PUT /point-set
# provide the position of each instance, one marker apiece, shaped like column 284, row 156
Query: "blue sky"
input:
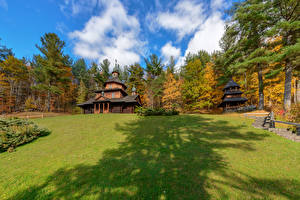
column 126, row 30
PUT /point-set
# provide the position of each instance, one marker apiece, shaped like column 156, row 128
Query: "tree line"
column 259, row 50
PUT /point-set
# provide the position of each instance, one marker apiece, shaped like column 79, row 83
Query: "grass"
column 126, row 157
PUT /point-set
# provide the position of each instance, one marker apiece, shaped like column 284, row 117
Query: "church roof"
column 115, row 80
column 230, row 84
column 88, row 102
column 111, row 89
column 126, row 99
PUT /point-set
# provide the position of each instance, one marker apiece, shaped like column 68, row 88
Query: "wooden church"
column 112, row 99
column 232, row 98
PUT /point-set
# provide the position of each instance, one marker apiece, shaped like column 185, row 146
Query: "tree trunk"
column 297, row 91
column 260, row 88
column 288, row 86
column 48, row 101
column 10, row 96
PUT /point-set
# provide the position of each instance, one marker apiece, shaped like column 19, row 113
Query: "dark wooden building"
column 112, row 99
column 232, row 98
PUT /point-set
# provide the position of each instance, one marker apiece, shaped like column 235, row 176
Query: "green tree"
column 95, row 79
column 52, row 67
column 155, row 80
column 5, row 52
column 286, row 15
column 136, row 80
column 251, row 21
column 104, row 71
column 79, row 70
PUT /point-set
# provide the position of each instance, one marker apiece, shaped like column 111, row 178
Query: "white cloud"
column 188, row 18
column 217, row 4
column 75, row 7
column 208, row 35
column 185, row 19
column 113, row 34
column 168, row 50
column 3, row 4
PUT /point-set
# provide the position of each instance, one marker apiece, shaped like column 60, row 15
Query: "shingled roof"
column 88, row 102
column 235, row 99
column 111, row 89
column 126, row 99
column 115, row 80
column 228, row 92
column 230, row 84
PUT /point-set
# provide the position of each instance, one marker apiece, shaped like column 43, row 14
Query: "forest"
column 259, row 50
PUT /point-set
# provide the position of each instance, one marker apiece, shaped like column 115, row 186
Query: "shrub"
column 155, row 112
column 294, row 114
column 15, row 132
column 30, row 104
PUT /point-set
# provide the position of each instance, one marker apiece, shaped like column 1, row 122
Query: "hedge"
column 155, row 112
column 15, row 132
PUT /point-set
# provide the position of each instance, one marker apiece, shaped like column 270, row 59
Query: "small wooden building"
column 232, row 98
column 112, row 99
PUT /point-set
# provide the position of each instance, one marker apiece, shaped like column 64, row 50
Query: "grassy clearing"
column 177, row 157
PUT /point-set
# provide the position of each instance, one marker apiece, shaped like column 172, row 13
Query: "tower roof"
column 115, row 79
column 230, row 84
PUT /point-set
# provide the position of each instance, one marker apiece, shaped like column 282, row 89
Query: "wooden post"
column 298, row 130
column 102, row 107
column 272, row 119
column 108, row 107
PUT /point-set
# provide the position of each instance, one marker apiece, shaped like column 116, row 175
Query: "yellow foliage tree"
column 211, row 94
column 171, row 95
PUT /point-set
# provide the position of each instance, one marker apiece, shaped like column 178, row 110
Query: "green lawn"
column 177, row 157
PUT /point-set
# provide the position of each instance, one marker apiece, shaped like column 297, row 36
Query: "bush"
column 15, row 132
column 30, row 104
column 155, row 112
column 294, row 114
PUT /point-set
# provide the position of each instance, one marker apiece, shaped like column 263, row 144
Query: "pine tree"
column 136, row 79
column 104, row 71
column 52, row 67
column 252, row 20
column 82, row 93
column 5, row 52
column 155, row 79
column 79, row 70
column 286, row 14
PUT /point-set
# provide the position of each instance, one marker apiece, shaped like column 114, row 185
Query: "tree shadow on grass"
column 161, row 158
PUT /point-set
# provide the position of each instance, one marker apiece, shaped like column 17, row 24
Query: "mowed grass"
column 122, row 156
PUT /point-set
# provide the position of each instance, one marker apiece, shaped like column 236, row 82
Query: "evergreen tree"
column 4, row 52
column 104, row 71
column 95, row 79
column 155, row 79
column 79, row 70
column 286, row 15
column 136, row 80
column 52, row 67
column 171, row 65
column 82, row 93
column 251, row 21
